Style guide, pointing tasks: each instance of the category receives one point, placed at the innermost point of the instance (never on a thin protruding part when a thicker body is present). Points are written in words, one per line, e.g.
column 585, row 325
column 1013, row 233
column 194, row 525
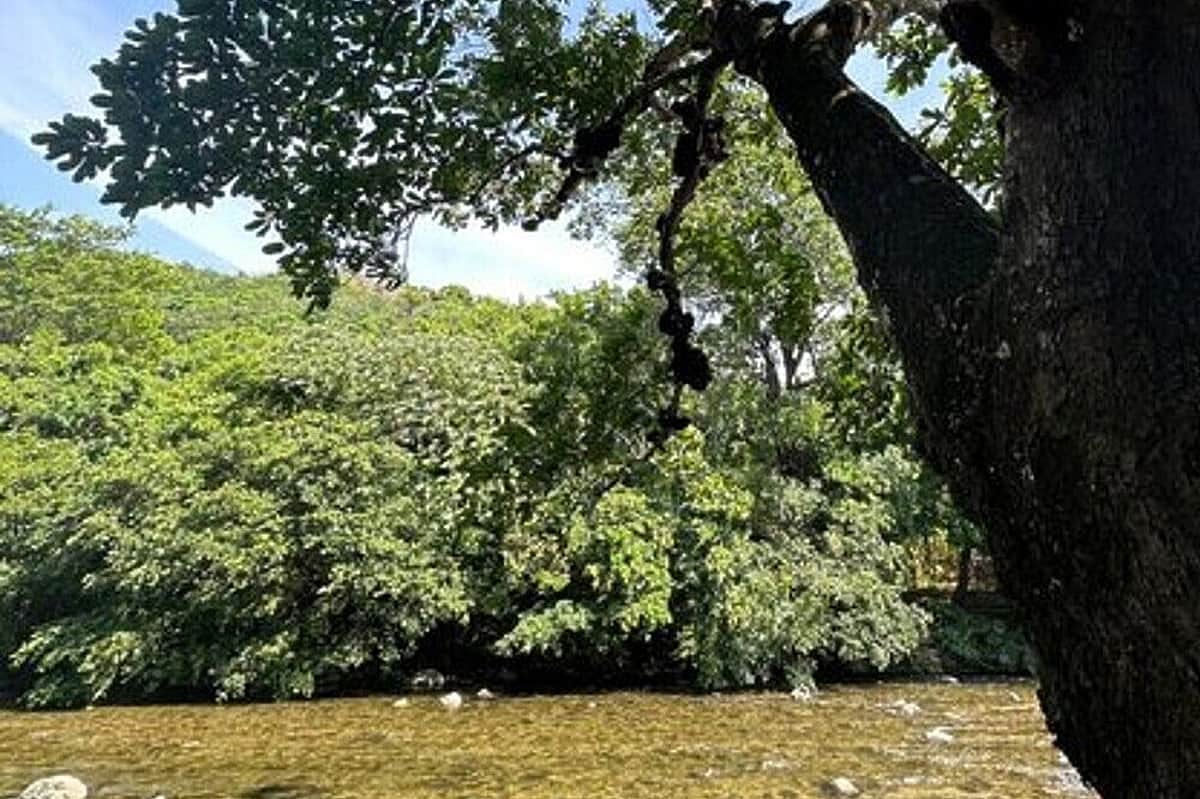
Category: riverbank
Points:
column 975, row 642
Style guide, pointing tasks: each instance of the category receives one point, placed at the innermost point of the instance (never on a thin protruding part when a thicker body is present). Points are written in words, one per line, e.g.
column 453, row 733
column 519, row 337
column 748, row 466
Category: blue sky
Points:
column 46, row 47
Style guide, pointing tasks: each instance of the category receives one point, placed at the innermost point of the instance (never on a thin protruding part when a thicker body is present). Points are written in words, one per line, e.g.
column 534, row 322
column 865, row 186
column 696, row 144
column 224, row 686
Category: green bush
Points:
column 971, row 643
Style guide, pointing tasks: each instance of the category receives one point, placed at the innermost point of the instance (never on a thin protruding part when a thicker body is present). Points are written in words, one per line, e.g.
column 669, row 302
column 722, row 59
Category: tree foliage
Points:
column 269, row 504
column 344, row 121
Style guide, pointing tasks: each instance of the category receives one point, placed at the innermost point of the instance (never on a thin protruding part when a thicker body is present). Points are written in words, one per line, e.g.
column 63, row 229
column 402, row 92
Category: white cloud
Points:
column 45, row 49
column 219, row 230
column 508, row 263
column 17, row 122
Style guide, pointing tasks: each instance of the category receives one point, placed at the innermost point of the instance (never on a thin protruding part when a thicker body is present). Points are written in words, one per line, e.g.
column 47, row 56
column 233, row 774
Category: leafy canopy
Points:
column 345, row 120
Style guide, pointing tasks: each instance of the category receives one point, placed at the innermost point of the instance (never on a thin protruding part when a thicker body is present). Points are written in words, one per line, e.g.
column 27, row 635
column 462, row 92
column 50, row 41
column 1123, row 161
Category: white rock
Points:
column 939, row 735
column 60, row 786
column 484, row 694
column 903, row 708
column 843, row 787
column 402, row 702
column 452, row 700
column 803, row 693
column 774, row 764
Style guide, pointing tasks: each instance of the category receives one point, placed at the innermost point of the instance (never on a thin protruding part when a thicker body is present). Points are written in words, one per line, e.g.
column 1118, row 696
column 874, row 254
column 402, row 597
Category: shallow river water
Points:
column 603, row 746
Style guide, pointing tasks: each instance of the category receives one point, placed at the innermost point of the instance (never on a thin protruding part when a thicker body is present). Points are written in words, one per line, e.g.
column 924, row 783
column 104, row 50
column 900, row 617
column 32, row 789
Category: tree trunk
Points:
column 962, row 582
column 1057, row 385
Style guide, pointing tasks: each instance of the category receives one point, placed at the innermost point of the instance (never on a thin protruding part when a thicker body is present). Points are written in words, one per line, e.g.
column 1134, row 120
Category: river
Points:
column 991, row 742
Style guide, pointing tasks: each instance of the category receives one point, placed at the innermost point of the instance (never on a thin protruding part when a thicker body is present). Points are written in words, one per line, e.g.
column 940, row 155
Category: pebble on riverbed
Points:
column 843, row 787
column 60, row 786
column 902, row 708
column 803, row 693
column 484, row 694
column 939, row 735
column 452, row 700
column 400, row 703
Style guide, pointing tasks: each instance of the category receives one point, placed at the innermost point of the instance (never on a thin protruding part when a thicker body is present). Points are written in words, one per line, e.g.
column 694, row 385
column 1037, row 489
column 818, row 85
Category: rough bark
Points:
column 1055, row 364
column 1097, row 520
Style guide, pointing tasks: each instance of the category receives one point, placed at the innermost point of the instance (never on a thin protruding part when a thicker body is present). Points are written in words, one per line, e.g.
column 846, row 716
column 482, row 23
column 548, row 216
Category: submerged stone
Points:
column 902, row 708
column 939, row 735
column 60, row 786
column 842, row 786
column 804, row 693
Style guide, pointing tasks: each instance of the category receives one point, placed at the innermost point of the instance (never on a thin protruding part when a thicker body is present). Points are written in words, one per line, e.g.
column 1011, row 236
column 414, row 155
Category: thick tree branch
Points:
column 593, row 145
column 971, row 27
column 922, row 245
column 1020, row 45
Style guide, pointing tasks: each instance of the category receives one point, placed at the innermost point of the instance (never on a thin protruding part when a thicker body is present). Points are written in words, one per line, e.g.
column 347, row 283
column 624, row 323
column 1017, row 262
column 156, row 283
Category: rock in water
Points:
column 939, row 735
column 903, row 708
column 843, row 787
column 60, row 786
column 484, row 694
column 452, row 700
column 803, row 693
column 401, row 702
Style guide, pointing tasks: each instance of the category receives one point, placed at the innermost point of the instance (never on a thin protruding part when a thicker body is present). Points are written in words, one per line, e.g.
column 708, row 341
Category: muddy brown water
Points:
column 605, row 746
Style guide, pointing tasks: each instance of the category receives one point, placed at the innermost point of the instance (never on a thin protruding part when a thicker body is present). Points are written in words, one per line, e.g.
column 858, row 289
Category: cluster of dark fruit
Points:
column 701, row 143
column 689, row 364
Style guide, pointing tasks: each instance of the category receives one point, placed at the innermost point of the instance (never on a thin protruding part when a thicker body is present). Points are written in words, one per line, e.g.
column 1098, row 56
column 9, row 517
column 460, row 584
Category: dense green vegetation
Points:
column 203, row 490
